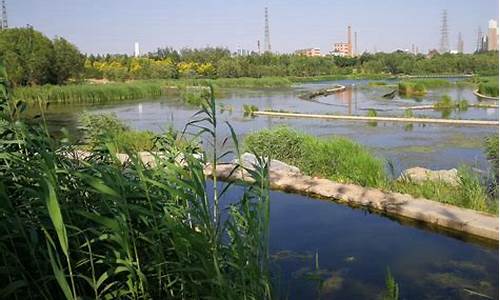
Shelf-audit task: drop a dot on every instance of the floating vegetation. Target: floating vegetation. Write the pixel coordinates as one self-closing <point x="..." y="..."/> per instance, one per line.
<point x="249" y="109"/>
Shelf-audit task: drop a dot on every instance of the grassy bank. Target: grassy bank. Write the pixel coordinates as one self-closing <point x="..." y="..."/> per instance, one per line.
<point x="489" y="88"/>
<point x="342" y="160"/>
<point x="338" y="159"/>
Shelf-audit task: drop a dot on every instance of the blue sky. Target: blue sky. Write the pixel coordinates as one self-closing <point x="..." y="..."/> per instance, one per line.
<point x="112" y="26"/>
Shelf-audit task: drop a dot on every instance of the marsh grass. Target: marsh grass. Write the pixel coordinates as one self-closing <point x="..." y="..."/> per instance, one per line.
<point x="470" y="191"/>
<point x="335" y="158"/>
<point x="97" y="228"/>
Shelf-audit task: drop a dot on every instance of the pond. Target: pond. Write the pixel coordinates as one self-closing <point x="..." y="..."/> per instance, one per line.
<point x="354" y="247"/>
<point x="404" y="145"/>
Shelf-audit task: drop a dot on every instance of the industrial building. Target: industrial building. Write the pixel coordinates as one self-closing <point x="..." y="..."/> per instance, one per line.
<point x="309" y="52"/>
<point x="342" y="48"/>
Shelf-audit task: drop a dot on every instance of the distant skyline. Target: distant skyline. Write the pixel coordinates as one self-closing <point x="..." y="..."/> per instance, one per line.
<point x="107" y="26"/>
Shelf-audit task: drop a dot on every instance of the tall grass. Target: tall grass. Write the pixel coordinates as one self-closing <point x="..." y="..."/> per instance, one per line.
<point x="96" y="228"/>
<point x="336" y="158"/>
<point x="489" y="88"/>
<point x="88" y="93"/>
<point x="470" y="191"/>
<point x="420" y="87"/>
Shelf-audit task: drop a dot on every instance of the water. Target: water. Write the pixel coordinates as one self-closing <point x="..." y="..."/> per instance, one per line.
<point x="354" y="247"/>
<point x="404" y="145"/>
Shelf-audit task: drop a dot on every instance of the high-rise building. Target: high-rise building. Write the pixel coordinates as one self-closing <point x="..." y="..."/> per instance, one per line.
<point x="136" y="50"/>
<point x="492" y="35"/>
<point x="460" y="44"/>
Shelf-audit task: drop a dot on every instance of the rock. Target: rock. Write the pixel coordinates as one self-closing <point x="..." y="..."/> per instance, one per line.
<point x="419" y="174"/>
<point x="248" y="160"/>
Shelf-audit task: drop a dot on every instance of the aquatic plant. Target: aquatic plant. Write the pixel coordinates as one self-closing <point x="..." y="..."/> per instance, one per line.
<point x="88" y="93"/>
<point x="444" y="102"/>
<point x="249" y="109"/>
<point x="489" y="88"/>
<point x="336" y="158"/>
<point x="107" y="127"/>
<point x="97" y="228"/>
<point x="407" y="88"/>
<point x="392" y="287"/>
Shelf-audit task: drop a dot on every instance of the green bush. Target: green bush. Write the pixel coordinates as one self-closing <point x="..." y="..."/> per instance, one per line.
<point x="488" y="88"/>
<point x="107" y="127"/>
<point x="335" y="158"/>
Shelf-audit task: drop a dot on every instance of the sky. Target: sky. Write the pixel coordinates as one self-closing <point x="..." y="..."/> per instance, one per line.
<point x="112" y="26"/>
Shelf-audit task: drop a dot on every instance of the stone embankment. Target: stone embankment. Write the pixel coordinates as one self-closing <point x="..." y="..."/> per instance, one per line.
<point x="380" y="119"/>
<point x="322" y="92"/>
<point x="289" y="178"/>
<point x="476" y="92"/>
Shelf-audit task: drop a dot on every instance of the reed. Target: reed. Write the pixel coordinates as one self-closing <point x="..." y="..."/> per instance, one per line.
<point x="335" y="158"/>
<point x="97" y="228"/>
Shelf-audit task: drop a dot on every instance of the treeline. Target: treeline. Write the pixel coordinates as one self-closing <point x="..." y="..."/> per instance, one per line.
<point x="32" y="58"/>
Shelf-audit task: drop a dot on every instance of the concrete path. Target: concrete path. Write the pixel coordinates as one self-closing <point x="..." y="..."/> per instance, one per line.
<point x="380" y="119"/>
<point x="450" y="217"/>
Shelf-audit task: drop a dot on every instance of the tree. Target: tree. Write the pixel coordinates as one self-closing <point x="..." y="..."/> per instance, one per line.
<point x="28" y="56"/>
<point x="68" y="61"/>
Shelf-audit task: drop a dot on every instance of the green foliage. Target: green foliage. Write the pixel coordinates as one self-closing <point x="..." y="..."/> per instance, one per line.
<point x="444" y="102"/>
<point x="372" y="113"/>
<point x="336" y="158"/>
<point x="392" y="292"/>
<point x="107" y="127"/>
<point x="408" y="113"/>
<point x="68" y="61"/>
<point x="491" y="149"/>
<point x="249" y="109"/>
<point x="195" y="95"/>
<point x="488" y="88"/>
<point x="97" y="228"/>
<point x="409" y="88"/>
<point x="28" y="56"/>
<point x="470" y="191"/>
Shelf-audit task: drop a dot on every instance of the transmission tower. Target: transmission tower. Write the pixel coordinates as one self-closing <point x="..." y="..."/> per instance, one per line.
<point x="267" y="36"/>
<point x="3" y="20"/>
<point x="444" y="45"/>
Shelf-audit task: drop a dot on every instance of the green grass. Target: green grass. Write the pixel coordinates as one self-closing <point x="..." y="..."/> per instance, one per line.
<point x="335" y="158"/>
<point x="470" y="192"/>
<point x="447" y="103"/>
<point x="88" y="93"/>
<point x="342" y="160"/>
<point x="421" y="86"/>
<point x="488" y="88"/>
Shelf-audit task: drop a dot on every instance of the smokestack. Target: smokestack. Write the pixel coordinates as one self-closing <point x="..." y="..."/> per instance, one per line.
<point x="355" y="43"/>
<point x="349" y="41"/>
